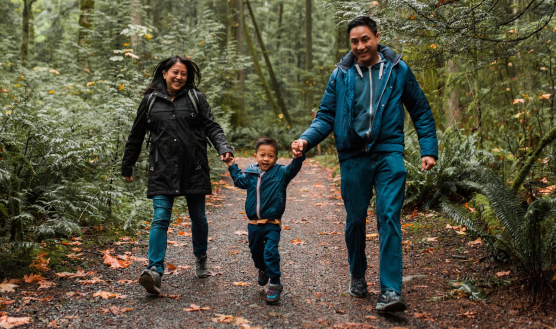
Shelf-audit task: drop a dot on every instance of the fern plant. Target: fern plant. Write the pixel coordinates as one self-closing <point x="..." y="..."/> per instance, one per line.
<point x="510" y="228"/>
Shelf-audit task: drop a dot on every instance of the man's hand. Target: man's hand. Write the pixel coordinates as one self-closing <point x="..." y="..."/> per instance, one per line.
<point x="298" y="146"/>
<point x="427" y="163"/>
<point x="230" y="161"/>
<point x="129" y="179"/>
<point x="226" y="157"/>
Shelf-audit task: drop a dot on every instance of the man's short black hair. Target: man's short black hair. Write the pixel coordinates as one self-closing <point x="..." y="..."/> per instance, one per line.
<point x="363" y="21"/>
<point x="266" y="141"/>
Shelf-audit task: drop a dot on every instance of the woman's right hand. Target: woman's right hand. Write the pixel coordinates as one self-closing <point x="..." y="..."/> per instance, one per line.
<point x="129" y="179"/>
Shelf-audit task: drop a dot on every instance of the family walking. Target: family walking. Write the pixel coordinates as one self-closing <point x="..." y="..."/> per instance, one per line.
<point x="363" y="105"/>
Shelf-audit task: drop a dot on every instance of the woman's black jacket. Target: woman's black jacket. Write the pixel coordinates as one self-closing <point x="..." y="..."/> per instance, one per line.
<point x="178" y="161"/>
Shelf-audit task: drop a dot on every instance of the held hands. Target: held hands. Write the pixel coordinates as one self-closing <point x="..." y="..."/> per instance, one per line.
<point x="298" y="146"/>
<point x="129" y="179"/>
<point x="427" y="163"/>
<point x="228" y="158"/>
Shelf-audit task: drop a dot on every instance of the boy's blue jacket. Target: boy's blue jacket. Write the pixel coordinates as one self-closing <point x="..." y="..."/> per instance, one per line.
<point x="336" y="111"/>
<point x="266" y="193"/>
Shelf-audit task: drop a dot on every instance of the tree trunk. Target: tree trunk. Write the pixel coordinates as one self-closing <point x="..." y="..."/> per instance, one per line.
<point x="273" y="80"/>
<point x="136" y="19"/>
<point x="156" y="9"/>
<point x="453" y="97"/>
<point x="532" y="159"/>
<point x="238" y="23"/>
<point x="259" y="71"/>
<point x="309" y="58"/>
<point x="279" y="31"/>
<point x="85" y="7"/>
<point x="342" y="42"/>
<point x="31" y="34"/>
<point x="26" y="17"/>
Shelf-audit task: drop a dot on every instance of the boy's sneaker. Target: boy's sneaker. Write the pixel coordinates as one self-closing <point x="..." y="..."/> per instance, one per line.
<point x="201" y="270"/>
<point x="150" y="280"/>
<point x="263" y="278"/>
<point x="273" y="294"/>
<point x="358" y="287"/>
<point x="390" y="301"/>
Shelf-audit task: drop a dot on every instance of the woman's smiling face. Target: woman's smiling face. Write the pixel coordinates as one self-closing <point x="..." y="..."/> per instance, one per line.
<point x="175" y="77"/>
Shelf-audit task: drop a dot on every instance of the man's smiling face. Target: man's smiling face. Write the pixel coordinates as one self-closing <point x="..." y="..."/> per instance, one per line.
<point x="364" y="45"/>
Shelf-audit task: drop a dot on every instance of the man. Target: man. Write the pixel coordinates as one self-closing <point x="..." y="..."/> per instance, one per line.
<point x="362" y="104"/>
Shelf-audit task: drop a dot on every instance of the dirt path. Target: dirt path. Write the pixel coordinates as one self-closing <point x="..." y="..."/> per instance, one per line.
<point x="315" y="275"/>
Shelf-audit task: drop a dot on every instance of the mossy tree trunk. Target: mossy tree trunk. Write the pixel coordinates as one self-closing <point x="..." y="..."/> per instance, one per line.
<point x="26" y="18"/>
<point x="273" y="80"/>
<point x="266" y="87"/>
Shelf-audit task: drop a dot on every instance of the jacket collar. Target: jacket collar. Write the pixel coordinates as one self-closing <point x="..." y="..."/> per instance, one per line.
<point x="254" y="169"/>
<point x="387" y="53"/>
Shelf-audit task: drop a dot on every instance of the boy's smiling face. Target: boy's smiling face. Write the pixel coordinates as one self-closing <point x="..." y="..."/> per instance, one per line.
<point x="266" y="157"/>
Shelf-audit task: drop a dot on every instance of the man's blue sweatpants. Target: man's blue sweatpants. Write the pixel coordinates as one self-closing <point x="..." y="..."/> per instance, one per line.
<point x="387" y="173"/>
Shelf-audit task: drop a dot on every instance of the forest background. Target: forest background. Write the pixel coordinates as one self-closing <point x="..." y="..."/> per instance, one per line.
<point x="72" y="74"/>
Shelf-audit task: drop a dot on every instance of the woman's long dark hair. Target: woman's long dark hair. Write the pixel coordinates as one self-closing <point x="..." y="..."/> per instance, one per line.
<point x="158" y="82"/>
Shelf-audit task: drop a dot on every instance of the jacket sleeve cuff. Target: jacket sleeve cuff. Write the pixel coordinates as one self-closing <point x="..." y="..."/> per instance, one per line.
<point x="226" y="149"/>
<point x="127" y="171"/>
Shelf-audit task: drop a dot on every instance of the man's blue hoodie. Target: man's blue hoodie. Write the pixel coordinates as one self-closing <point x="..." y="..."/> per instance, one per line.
<point x="266" y="191"/>
<point x="346" y="108"/>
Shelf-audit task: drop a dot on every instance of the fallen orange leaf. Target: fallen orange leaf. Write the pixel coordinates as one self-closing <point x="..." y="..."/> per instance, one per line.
<point x="297" y="242"/>
<point x="30" y="278"/>
<point x="44" y="284"/>
<point x="241" y="284"/>
<point x="8" y="322"/>
<point x="5" y="286"/>
<point x="40" y="263"/>
<point x="114" y="262"/>
<point x="104" y="294"/>
<point x="194" y="307"/>
<point x="499" y="274"/>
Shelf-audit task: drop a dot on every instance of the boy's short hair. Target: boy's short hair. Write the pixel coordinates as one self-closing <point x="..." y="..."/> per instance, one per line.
<point x="363" y="21"/>
<point x="266" y="141"/>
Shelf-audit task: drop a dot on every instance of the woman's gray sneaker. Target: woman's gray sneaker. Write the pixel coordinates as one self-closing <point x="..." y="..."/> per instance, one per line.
<point x="390" y="301"/>
<point x="358" y="287"/>
<point x="150" y="280"/>
<point x="201" y="270"/>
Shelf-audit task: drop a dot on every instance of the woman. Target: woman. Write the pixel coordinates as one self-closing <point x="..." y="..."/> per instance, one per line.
<point x="177" y="120"/>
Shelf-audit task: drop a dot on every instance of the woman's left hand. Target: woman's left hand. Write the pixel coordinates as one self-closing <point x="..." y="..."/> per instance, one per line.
<point x="226" y="156"/>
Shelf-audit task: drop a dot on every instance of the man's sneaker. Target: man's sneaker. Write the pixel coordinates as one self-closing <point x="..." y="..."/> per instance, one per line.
<point x="358" y="287"/>
<point x="263" y="278"/>
<point x="273" y="294"/>
<point x="201" y="270"/>
<point x="390" y="301"/>
<point x="150" y="280"/>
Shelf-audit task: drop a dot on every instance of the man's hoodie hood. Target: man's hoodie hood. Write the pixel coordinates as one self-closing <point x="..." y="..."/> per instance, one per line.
<point x="348" y="60"/>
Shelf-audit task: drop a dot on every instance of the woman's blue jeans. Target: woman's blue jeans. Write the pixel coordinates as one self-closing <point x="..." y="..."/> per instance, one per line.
<point x="159" y="228"/>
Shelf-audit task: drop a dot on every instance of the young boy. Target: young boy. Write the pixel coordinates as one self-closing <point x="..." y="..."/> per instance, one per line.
<point x="266" y="184"/>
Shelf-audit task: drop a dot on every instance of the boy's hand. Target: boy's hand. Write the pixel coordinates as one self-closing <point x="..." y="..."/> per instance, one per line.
<point x="230" y="161"/>
<point x="298" y="146"/>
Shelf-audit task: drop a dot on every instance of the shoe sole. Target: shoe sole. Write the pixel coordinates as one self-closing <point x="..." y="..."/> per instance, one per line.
<point x="261" y="283"/>
<point x="393" y="307"/>
<point x="201" y="275"/>
<point x="147" y="282"/>
<point x="357" y="296"/>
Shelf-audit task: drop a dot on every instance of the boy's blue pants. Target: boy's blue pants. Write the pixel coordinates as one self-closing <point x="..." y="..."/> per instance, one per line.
<point x="263" y="243"/>
<point x="387" y="173"/>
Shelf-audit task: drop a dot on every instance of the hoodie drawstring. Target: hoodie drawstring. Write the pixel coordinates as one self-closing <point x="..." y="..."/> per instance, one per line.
<point x="359" y="70"/>
<point x="381" y="70"/>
